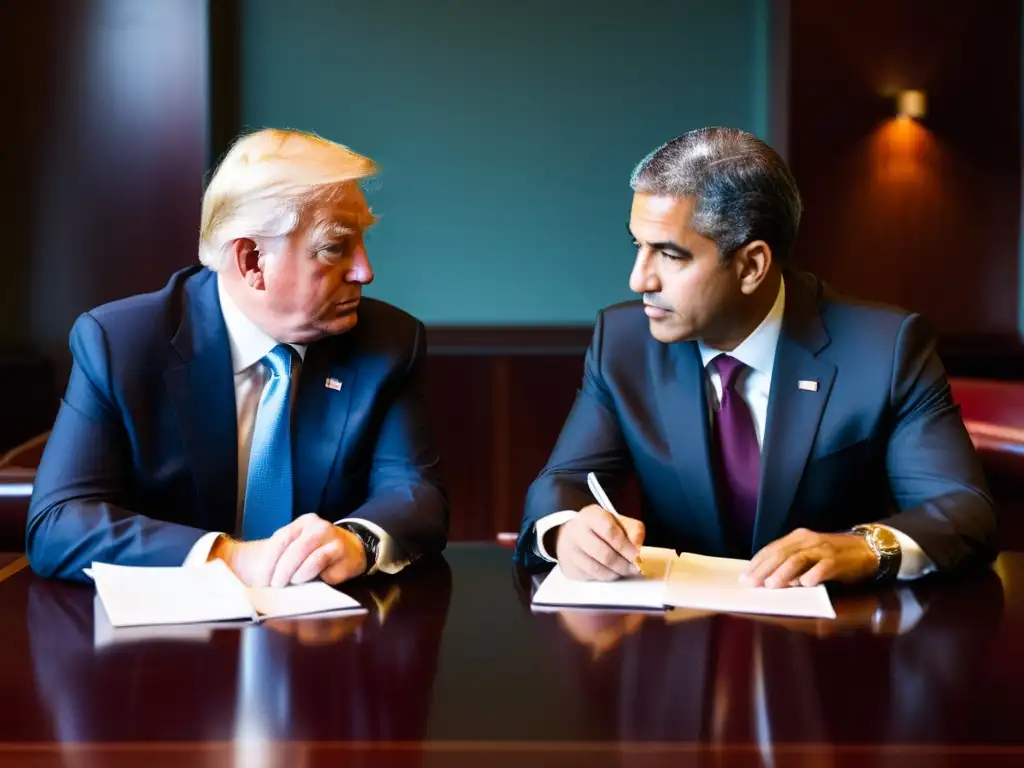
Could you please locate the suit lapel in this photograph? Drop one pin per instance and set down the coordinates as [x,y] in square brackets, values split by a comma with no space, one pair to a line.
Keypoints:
[794,413]
[319,416]
[202,393]
[683,406]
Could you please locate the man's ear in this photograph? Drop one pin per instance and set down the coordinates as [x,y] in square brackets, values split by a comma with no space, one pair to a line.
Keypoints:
[247,260]
[754,260]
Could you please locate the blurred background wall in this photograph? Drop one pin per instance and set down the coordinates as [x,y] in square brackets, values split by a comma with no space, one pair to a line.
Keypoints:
[105,145]
[506,134]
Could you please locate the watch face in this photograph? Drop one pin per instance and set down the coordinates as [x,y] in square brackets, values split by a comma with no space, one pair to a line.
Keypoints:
[885,538]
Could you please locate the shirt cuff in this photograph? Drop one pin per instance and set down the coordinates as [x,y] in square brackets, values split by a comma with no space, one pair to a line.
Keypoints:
[386,562]
[914,563]
[545,524]
[200,551]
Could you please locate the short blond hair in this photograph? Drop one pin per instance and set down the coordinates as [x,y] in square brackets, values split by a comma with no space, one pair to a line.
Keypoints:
[266,181]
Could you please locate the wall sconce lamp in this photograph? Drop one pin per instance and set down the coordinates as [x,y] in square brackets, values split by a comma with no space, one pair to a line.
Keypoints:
[912,104]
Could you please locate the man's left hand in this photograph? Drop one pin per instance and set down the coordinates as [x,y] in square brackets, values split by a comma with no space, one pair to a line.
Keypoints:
[805,558]
[317,548]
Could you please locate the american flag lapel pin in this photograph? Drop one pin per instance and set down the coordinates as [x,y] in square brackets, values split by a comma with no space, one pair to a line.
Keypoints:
[334,384]
[808,385]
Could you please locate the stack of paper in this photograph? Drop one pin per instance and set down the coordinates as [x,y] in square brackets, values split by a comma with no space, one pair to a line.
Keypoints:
[684,581]
[135,596]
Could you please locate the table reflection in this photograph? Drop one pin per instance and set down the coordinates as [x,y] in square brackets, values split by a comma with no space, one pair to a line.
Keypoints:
[898,665]
[364,678]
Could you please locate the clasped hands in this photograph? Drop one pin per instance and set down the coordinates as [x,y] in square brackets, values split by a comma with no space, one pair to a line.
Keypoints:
[307,547]
[597,545]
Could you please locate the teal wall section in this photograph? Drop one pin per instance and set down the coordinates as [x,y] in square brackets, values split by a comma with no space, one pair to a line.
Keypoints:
[506,132]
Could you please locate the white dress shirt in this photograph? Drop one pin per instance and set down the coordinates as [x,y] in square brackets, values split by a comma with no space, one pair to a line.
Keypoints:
[249,345]
[757,352]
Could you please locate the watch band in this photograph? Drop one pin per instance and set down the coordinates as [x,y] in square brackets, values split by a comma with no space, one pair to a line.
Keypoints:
[371,543]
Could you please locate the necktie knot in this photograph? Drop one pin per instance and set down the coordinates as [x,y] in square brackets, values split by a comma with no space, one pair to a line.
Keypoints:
[729,368]
[279,361]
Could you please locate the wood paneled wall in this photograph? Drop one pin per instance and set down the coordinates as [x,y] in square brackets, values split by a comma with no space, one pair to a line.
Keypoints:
[104,151]
[924,214]
[105,146]
[497,401]
[115,108]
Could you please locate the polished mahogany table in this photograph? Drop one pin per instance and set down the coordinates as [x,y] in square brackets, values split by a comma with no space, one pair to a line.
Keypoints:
[450,667]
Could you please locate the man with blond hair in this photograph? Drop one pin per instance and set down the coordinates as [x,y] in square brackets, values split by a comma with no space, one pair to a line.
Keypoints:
[256,409]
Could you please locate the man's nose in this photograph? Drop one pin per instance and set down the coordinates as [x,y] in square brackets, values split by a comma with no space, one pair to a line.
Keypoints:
[360,272]
[643,278]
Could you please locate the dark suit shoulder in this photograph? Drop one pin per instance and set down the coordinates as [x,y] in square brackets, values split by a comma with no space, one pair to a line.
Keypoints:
[149,318]
[384,328]
[621,342]
[625,315]
[866,323]
[869,342]
[623,325]
[380,313]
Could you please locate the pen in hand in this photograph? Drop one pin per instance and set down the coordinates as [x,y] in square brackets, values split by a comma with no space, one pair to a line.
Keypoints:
[604,501]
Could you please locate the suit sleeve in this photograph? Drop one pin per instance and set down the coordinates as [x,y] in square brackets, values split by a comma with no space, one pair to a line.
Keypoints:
[406,496]
[80,511]
[591,441]
[934,472]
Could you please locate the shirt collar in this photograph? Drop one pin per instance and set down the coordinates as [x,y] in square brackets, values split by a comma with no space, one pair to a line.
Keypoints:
[757,350]
[249,344]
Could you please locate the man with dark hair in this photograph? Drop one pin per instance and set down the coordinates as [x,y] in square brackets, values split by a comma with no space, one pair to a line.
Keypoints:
[763,415]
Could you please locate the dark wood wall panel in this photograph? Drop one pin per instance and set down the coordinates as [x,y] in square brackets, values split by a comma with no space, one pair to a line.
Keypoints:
[105,146]
[496,417]
[459,400]
[921,214]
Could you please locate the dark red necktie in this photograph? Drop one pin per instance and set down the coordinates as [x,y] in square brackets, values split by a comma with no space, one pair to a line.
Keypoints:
[739,464]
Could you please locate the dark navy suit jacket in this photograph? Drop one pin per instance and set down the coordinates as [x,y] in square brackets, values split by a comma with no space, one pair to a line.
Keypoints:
[879,441]
[142,460]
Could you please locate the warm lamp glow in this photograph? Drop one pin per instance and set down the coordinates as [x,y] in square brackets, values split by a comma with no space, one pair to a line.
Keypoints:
[911,104]
[900,153]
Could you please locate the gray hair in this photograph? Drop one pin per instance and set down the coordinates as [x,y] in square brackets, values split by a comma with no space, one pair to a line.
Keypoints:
[742,189]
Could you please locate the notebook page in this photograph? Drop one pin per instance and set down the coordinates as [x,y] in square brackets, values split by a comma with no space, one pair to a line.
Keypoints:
[137,596]
[712,583]
[644,591]
[299,599]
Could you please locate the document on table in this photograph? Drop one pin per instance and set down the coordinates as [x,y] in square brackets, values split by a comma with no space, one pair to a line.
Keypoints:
[684,581]
[712,583]
[644,591]
[139,596]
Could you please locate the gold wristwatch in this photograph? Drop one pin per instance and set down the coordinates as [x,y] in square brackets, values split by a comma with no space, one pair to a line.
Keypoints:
[885,545]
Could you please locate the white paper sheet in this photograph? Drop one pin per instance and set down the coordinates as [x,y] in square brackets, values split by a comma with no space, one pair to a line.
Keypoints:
[646,591]
[712,583]
[298,599]
[134,596]
[140,596]
[685,581]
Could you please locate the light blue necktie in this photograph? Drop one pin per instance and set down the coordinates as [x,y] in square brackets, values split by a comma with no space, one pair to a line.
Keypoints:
[268,488]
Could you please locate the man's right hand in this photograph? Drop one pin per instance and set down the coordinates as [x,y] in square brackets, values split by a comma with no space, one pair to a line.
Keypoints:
[252,561]
[597,545]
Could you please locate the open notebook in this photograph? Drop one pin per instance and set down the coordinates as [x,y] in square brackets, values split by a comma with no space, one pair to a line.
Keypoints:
[134,596]
[685,581]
